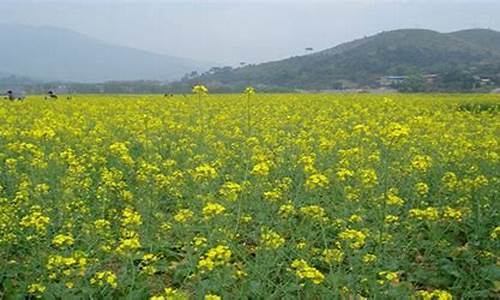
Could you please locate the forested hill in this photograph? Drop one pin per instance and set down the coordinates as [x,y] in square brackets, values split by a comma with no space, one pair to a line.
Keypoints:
[362,62]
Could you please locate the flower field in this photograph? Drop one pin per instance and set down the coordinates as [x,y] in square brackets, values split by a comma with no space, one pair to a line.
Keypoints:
[252,196]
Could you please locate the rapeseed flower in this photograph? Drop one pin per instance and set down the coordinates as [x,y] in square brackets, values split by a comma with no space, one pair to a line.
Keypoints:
[304,271]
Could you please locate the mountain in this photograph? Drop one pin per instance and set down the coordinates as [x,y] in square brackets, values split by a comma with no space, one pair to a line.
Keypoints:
[362,62]
[486,38]
[50,54]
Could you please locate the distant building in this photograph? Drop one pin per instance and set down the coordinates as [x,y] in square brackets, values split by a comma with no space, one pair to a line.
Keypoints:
[486,81]
[431,78]
[392,80]
[387,81]
[483,80]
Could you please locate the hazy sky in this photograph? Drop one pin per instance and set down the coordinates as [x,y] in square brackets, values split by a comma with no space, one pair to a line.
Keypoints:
[231,31]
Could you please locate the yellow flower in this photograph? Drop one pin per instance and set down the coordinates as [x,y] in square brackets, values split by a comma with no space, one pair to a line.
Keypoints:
[61,240]
[434,295]
[36,289]
[314,212]
[355,238]
[430,213]
[449,180]
[199,242]
[452,214]
[369,258]
[392,277]
[394,199]
[200,89]
[214,257]
[131,217]
[36,219]
[369,177]
[121,151]
[333,256]
[422,188]
[231,190]
[286,210]
[396,133]
[128,245]
[170,294]
[249,91]
[261,169]
[343,174]
[422,162]
[304,271]
[106,277]
[212,297]
[204,172]
[183,215]
[212,209]
[270,239]
[391,219]
[317,180]
[495,233]
[355,218]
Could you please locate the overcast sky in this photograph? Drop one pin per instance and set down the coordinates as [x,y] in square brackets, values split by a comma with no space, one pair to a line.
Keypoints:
[231,31]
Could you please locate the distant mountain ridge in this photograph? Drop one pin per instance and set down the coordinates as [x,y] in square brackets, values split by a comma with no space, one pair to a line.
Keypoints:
[51,53]
[485,38]
[362,62]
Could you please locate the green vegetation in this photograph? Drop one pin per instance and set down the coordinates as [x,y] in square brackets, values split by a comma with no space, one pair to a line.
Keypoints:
[455,57]
[250,196]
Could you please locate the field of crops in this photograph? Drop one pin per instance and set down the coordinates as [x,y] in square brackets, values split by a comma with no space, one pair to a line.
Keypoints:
[250,196]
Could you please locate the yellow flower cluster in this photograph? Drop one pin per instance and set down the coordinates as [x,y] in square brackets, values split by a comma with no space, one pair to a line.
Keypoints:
[495,233]
[105,277]
[36,219]
[304,271]
[128,244]
[394,199]
[214,257]
[200,89]
[317,180]
[212,297]
[230,190]
[147,263]
[212,209]
[355,238]
[314,212]
[131,217]
[369,177]
[270,239]
[331,256]
[249,90]
[434,214]
[434,295]
[170,294]
[369,258]
[211,198]
[65,267]
[429,213]
[422,162]
[261,169]
[204,172]
[62,240]
[36,289]
[388,276]
[199,242]
[286,210]
[122,152]
[422,188]
[183,215]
